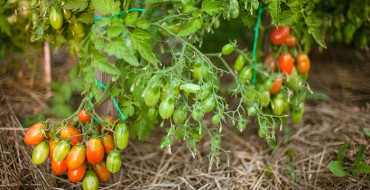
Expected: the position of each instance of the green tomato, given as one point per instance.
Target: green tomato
(246, 74)
(199, 71)
(78, 30)
(297, 116)
(204, 93)
(239, 62)
(67, 14)
(228, 49)
(178, 133)
(152, 113)
(208, 104)
(113, 161)
(167, 107)
(179, 115)
(197, 135)
(152, 94)
(55, 18)
(278, 106)
(252, 111)
(235, 13)
(61, 150)
(264, 98)
(197, 114)
(190, 88)
(40, 153)
(121, 136)
(216, 24)
(216, 119)
(90, 181)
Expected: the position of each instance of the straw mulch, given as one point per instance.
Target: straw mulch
(325, 127)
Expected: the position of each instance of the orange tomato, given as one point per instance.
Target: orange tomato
(286, 63)
(276, 85)
(303, 63)
(59, 168)
(76, 157)
(52, 145)
(102, 171)
(34, 134)
(83, 116)
(108, 143)
(270, 61)
(77, 174)
(291, 41)
(94, 151)
(71, 132)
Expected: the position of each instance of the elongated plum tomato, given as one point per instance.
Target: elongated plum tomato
(55, 18)
(83, 116)
(228, 49)
(102, 171)
(303, 63)
(286, 63)
(114, 161)
(61, 150)
(290, 41)
(76, 157)
(77, 174)
(94, 151)
(270, 61)
(276, 85)
(239, 62)
(40, 153)
(121, 136)
(279, 35)
(52, 145)
(108, 143)
(59, 168)
(91, 181)
(167, 107)
(71, 132)
(152, 94)
(34, 134)
(278, 105)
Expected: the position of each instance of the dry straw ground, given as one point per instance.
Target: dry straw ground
(326, 126)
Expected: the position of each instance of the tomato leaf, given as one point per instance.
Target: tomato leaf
(212, 7)
(86, 17)
(140, 42)
(315, 32)
(4, 25)
(288, 17)
(131, 18)
(107, 7)
(119, 49)
(142, 23)
(101, 63)
(341, 151)
(76, 5)
(274, 8)
(336, 167)
(194, 25)
(141, 128)
(361, 168)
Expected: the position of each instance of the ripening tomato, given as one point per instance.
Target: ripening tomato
(303, 63)
(34, 134)
(91, 181)
(286, 63)
(71, 132)
(94, 151)
(276, 85)
(121, 136)
(61, 150)
(152, 93)
(179, 115)
(40, 153)
(83, 116)
(270, 61)
(108, 143)
(59, 168)
(228, 49)
(55, 18)
(76, 157)
(77, 174)
(52, 145)
(166, 107)
(279, 35)
(290, 41)
(102, 171)
(114, 161)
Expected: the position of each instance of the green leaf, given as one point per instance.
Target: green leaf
(131, 18)
(360, 154)
(60, 111)
(87, 17)
(142, 23)
(113, 32)
(295, 6)
(341, 151)
(367, 132)
(128, 109)
(336, 167)
(361, 168)
(76, 5)
(119, 49)
(4, 25)
(317, 36)
(140, 42)
(288, 17)
(141, 128)
(194, 25)
(166, 142)
(100, 62)
(312, 21)
(274, 8)
(107, 7)
(212, 7)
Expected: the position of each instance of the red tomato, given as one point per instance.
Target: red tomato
(279, 35)
(68, 131)
(276, 85)
(291, 41)
(77, 174)
(102, 171)
(269, 60)
(108, 143)
(94, 151)
(76, 157)
(286, 63)
(52, 145)
(303, 63)
(34, 134)
(59, 168)
(83, 117)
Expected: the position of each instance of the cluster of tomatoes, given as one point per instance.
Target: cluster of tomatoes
(71, 149)
(279, 84)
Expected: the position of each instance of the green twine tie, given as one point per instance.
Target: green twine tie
(118, 15)
(256, 30)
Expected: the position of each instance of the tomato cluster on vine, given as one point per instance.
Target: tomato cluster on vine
(86, 151)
